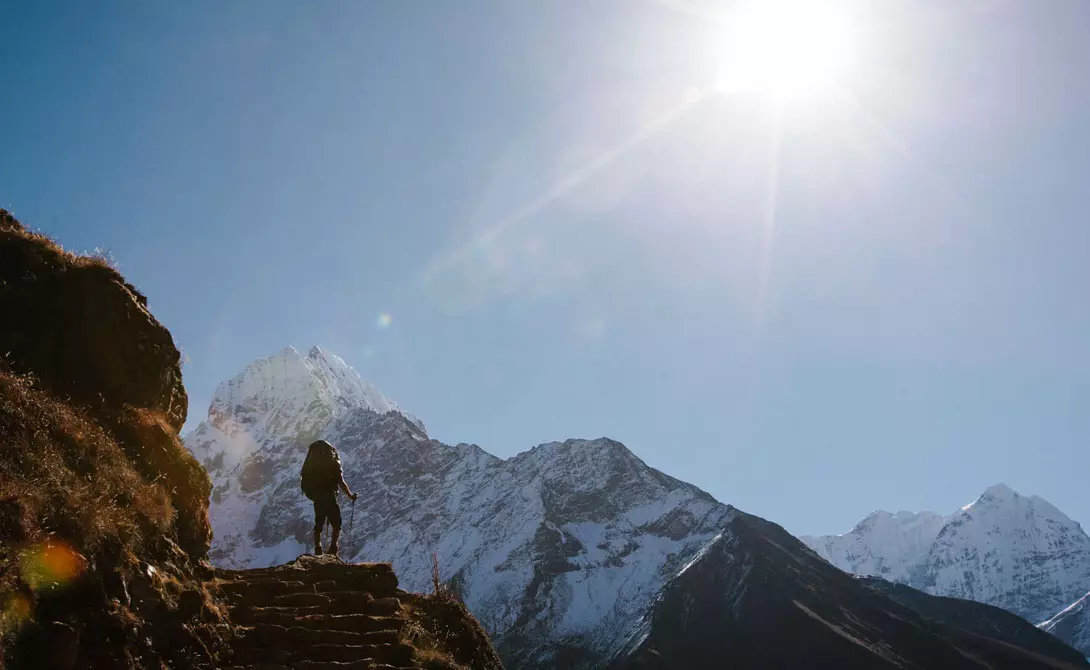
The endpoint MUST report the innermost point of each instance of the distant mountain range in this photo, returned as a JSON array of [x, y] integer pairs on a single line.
[[1004, 549], [573, 554]]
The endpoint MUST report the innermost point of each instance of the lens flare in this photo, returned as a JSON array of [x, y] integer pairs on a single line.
[[50, 565], [384, 320]]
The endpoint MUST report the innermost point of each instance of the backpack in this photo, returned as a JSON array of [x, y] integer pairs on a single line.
[[321, 470]]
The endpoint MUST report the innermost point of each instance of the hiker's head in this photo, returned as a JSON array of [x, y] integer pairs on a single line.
[[320, 443]]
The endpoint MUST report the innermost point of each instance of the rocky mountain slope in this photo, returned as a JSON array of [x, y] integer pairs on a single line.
[[756, 597], [1072, 625], [558, 550], [978, 618], [1004, 549]]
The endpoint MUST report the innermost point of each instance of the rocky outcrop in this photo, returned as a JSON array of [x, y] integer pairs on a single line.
[[317, 613], [83, 331], [103, 513]]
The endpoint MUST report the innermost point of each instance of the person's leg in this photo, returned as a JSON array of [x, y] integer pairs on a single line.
[[335, 520], [321, 512]]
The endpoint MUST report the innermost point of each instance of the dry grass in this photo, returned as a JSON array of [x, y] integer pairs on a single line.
[[66, 482], [46, 254], [62, 477], [446, 635]]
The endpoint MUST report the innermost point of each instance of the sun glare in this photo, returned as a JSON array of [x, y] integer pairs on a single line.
[[788, 49]]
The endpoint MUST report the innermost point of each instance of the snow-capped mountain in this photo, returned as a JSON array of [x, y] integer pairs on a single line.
[[1072, 625], [1005, 549], [882, 545], [283, 396], [558, 550]]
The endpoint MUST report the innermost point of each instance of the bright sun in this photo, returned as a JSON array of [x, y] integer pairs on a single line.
[[788, 49]]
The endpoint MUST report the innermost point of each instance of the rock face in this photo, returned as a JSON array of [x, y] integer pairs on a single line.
[[1004, 549], [1072, 625], [558, 550], [64, 312], [756, 597]]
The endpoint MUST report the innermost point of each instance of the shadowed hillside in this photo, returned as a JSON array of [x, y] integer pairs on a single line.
[[103, 514]]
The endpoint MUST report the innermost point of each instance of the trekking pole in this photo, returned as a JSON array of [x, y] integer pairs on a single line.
[[352, 518]]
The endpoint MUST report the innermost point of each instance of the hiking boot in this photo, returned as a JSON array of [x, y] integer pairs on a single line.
[[318, 550], [333, 541]]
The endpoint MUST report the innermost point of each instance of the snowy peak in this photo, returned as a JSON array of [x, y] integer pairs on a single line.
[[1001, 491], [286, 397], [997, 495], [1006, 549], [1014, 551], [882, 544], [290, 380]]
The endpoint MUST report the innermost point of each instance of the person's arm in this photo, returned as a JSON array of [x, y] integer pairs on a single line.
[[347, 491]]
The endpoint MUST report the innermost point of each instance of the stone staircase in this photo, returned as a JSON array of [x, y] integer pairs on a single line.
[[315, 613]]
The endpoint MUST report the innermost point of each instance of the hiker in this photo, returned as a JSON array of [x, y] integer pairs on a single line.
[[322, 477]]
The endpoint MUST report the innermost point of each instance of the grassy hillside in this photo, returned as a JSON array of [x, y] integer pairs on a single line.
[[103, 513]]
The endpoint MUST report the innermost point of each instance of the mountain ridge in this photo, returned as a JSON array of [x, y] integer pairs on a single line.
[[562, 550], [560, 546], [1006, 549], [757, 597]]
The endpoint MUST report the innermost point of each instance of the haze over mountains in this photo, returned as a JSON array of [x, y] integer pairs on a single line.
[[570, 552]]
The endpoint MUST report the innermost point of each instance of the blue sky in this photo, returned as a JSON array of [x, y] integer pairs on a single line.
[[571, 228]]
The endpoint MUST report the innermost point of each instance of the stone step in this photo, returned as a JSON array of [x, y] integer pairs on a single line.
[[353, 623], [300, 600], [295, 637], [345, 604], [351, 665], [261, 590], [378, 606], [391, 654], [323, 665], [379, 585], [304, 590], [343, 600], [258, 656], [394, 654], [318, 572]]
